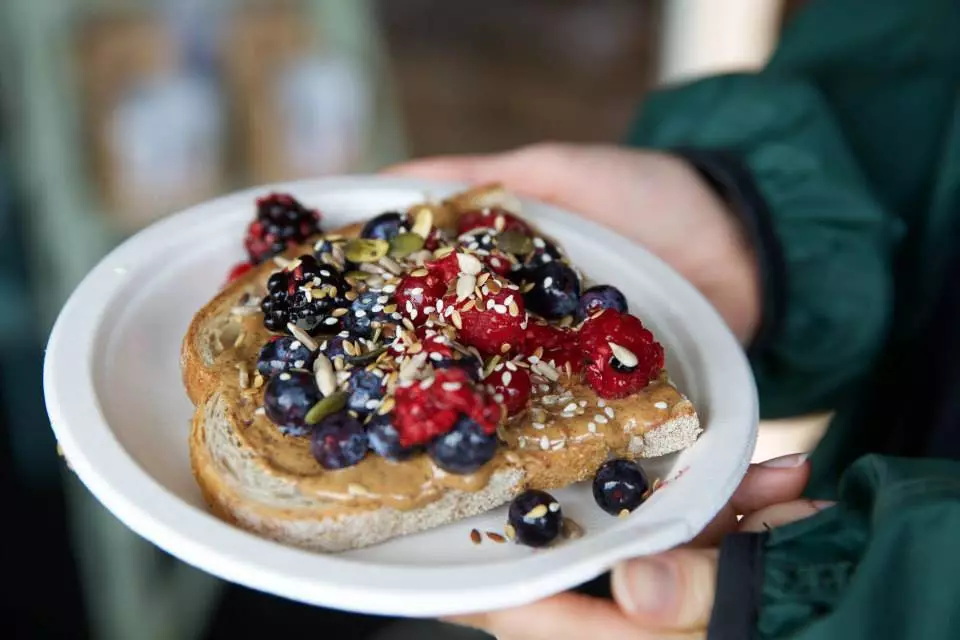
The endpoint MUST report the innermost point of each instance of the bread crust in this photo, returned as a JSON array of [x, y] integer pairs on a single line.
[[240, 489]]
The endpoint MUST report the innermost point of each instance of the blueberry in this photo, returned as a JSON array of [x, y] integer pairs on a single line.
[[555, 292], [282, 354], [536, 518], [288, 397], [463, 449], [333, 347], [366, 392], [384, 439], [619, 485], [602, 296], [339, 441], [366, 313], [384, 226]]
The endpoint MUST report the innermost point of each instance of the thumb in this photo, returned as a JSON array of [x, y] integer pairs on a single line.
[[672, 591]]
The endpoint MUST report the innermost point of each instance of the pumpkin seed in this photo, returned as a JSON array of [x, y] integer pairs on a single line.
[[366, 250], [326, 407], [365, 358], [514, 242], [404, 244]]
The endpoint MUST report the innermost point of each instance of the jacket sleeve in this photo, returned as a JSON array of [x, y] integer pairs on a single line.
[[826, 243], [881, 564]]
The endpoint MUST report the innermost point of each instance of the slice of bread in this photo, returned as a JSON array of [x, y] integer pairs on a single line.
[[268, 483]]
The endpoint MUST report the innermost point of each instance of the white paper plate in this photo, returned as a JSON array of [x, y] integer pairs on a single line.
[[115, 399]]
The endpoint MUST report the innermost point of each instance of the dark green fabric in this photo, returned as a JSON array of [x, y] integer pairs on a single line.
[[852, 133]]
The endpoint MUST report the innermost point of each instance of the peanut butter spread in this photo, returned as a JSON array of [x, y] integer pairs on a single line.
[[561, 414]]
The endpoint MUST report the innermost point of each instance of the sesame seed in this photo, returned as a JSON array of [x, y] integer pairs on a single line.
[[284, 376], [544, 388], [499, 308], [426, 384], [507, 378], [609, 412], [498, 397], [416, 291], [330, 320], [538, 425], [547, 282], [570, 408], [451, 386], [660, 405], [582, 403], [600, 419], [260, 411], [601, 403], [592, 428], [544, 442], [559, 444]]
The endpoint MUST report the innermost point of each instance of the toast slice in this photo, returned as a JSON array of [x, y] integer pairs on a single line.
[[269, 483]]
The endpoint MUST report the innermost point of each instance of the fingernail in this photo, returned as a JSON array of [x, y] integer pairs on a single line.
[[646, 585], [820, 505], [786, 462]]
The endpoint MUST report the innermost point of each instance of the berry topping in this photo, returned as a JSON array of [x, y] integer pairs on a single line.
[[281, 222], [510, 385], [463, 449], [288, 397], [540, 334], [417, 295], [238, 270], [620, 485], [602, 296], [384, 227], [369, 312], [565, 356], [498, 262], [333, 347], [495, 322], [621, 355], [555, 292], [283, 353], [366, 391], [339, 441], [534, 518], [492, 218], [429, 408], [384, 439], [448, 267], [304, 293]]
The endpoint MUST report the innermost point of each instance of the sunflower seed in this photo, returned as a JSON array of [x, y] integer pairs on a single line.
[[302, 336], [626, 357], [469, 264], [465, 286]]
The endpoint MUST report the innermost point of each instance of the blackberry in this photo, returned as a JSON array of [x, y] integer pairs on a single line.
[[305, 293], [281, 222]]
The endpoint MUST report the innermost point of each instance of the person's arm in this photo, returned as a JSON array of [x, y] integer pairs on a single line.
[[823, 243], [882, 564]]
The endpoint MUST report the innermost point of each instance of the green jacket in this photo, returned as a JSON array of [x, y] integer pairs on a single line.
[[852, 136]]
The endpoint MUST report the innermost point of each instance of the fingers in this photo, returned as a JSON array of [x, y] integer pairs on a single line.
[[781, 514], [564, 617], [537, 170], [779, 480], [672, 591]]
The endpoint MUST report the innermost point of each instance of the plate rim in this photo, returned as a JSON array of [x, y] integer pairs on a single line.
[[387, 590]]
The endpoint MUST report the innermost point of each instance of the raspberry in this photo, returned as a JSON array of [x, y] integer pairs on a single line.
[[492, 218], [430, 408], [498, 262], [541, 334], [562, 355], [238, 270], [281, 222], [621, 355], [510, 385], [417, 296], [446, 268], [494, 324]]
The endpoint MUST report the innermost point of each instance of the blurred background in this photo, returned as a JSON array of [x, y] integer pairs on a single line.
[[116, 113]]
